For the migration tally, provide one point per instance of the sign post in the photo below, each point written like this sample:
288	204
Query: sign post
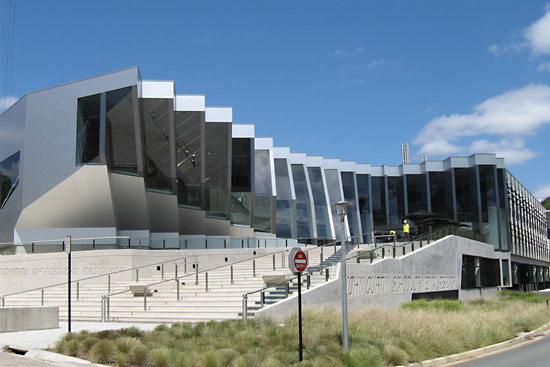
68	250
297	260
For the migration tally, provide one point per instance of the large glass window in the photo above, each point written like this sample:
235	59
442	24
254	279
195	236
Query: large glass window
304	223
263	208
241	181
9	177
417	195
441	194
155	117
217	135
188	157
348	186
334	195
489	215
396	200
285	216
87	130
120	148
322	220
378	201
363	190
503	213
464	195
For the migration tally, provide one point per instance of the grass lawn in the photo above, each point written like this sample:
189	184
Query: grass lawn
416	331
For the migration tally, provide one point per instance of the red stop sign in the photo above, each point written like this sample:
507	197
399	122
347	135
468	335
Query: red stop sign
300	261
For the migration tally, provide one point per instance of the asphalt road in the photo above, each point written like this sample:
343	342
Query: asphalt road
536	354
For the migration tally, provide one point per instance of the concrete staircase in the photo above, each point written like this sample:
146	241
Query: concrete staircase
221	299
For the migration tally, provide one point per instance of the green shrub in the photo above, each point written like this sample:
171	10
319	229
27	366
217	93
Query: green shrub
122	359
522	296
102	351
126	343
210	358
73	346
140	355
88	343
160	357
395	356
60	346
368	356
438	304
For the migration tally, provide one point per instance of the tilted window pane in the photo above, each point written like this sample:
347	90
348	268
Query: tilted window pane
282	180
262	172
263	213
334	196
188	157
441	194
217	137
155	117
303	205
87	130
285	219
363	190
9	177
348	186
241	165
322	220
240	208
120	131
489	215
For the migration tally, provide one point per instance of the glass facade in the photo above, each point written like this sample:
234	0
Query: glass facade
120	145
378	201
9	176
188	126
217	140
263	191
322	220
396	200
489	224
465	196
285	212
363	192
417	194
155	120
87	129
441	196
334	195
241	181
304	220
348	186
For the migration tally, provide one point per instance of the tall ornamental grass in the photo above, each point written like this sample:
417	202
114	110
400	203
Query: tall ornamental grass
414	332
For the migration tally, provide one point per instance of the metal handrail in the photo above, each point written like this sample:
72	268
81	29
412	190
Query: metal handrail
99	276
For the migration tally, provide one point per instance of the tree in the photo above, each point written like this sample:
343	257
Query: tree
546	203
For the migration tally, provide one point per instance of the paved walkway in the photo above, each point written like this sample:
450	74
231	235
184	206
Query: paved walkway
42	339
13	360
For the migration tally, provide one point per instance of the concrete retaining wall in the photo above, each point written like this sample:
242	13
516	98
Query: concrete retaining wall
29	271
390	282
28	318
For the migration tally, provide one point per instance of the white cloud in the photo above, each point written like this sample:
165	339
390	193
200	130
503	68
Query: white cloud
542	192
376	63
356	52
544	66
512	115
535	37
538	35
6	102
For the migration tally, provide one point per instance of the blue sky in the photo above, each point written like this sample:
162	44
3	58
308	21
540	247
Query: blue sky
341	79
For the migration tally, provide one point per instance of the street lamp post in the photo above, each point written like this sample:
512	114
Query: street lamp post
341	207
68	250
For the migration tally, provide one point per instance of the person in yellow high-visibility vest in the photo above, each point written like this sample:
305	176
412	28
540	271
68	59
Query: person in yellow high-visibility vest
406	230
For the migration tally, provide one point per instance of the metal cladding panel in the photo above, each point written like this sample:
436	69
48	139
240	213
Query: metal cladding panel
314	161
411	169
157	89
392	171
347	166
50	130
129	202
482	159
190	103
377	171
501	163
297	158
218	114
281	152
332	163
12	126
432	166
242	131
459	162
163	212
363	168
263	143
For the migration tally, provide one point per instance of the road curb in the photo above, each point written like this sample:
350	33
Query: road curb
488	350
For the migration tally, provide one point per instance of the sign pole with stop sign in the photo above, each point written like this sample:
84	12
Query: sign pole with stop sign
297	260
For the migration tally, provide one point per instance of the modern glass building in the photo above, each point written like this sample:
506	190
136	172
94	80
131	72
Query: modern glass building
115	155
